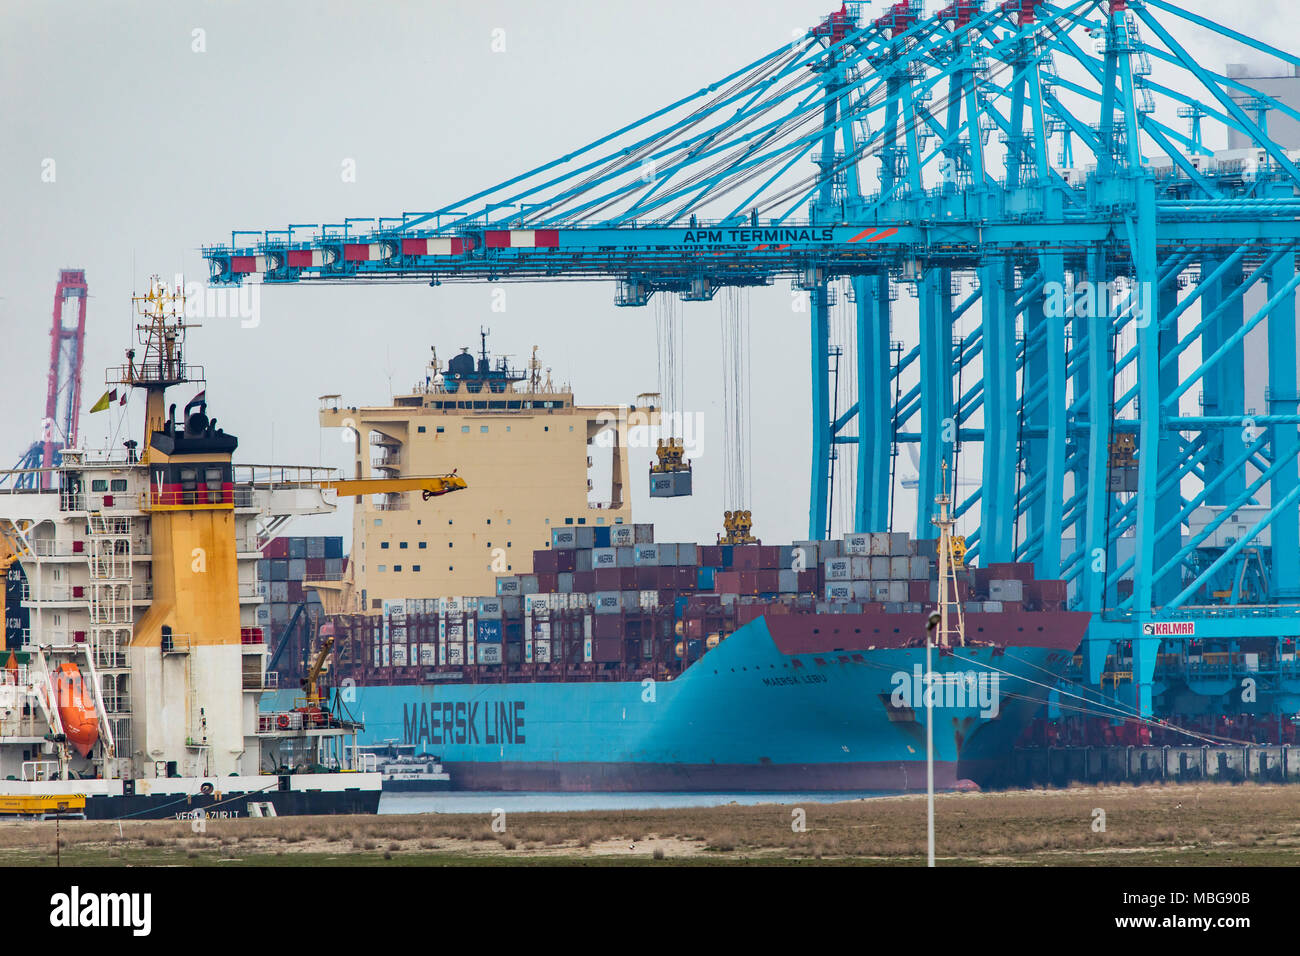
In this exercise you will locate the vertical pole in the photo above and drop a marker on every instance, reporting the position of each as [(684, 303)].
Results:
[(1049, 559), (997, 505), (1282, 400), (1147, 317), (819, 487), (875, 403), (1169, 454), (936, 392), (1100, 384)]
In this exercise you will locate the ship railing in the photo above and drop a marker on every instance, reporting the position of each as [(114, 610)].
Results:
[(272, 721), (275, 476), (40, 770), (9, 679), (117, 704), (268, 681), (198, 497)]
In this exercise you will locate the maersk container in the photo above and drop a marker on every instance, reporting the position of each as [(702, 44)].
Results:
[(489, 630), (622, 535), (671, 484), (489, 653), (607, 602), (604, 558), (566, 538), (839, 591), (646, 555), (489, 608), (508, 585), (839, 569), (858, 544)]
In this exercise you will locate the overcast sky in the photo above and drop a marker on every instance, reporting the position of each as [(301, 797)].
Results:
[(158, 149)]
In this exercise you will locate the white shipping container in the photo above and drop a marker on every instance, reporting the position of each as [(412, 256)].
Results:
[(604, 558), (880, 543), (489, 653), (542, 652), (861, 565), (622, 536), (455, 653), (649, 599), (426, 655), (399, 655), (607, 602)]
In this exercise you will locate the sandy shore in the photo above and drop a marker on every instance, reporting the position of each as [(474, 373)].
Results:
[(1216, 824)]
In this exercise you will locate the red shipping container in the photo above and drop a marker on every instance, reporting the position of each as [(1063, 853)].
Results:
[(1052, 590), (566, 560), (548, 583), (647, 578), (546, 562), (277, 548), (607, 651), (769, 582), (687, 578), (609, 579), (747, 557), (315, 569), (584, 582), (710, 556), (807, 582), (727, 582), (695, 628), (608, 626), (769, 558), (918, 592)]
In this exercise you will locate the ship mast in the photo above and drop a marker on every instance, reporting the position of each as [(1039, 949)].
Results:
[(947, 570), (162, 338)]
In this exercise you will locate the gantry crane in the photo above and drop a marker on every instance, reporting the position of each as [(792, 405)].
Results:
[(63, 385), (991, 158)]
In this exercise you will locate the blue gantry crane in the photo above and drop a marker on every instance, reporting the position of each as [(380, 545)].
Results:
[(1086, 269)]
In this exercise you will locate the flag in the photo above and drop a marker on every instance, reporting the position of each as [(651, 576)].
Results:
[(122, 400), (102, 404), (201, 397)]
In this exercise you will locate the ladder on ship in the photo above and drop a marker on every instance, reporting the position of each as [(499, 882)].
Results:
[(111, 594)]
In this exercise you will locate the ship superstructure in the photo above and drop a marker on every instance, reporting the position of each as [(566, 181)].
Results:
[(526, 448), (142, 666)]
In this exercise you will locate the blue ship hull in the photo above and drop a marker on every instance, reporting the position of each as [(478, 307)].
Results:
[(745, 717)]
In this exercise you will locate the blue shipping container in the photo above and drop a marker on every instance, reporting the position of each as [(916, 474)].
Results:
[(489, 631), (602, 537), (704, 579)]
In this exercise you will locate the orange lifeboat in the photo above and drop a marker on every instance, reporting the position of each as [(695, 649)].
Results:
[(76, 706)]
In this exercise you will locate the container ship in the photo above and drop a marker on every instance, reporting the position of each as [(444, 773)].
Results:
[(132, 687), (600, 659)]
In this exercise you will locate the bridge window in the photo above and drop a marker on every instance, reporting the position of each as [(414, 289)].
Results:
[(99, 484)]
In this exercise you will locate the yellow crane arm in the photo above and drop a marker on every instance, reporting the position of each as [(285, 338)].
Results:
[(313, 674), (431, 485)]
